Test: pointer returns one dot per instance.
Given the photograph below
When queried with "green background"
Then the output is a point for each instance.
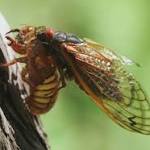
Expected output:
(76, 123)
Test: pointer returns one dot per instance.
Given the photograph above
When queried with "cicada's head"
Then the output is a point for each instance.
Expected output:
(21, 39)
(23, 35)
(26, 34)
(44, 34)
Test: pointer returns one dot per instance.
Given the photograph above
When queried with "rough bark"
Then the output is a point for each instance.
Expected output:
(19, 129)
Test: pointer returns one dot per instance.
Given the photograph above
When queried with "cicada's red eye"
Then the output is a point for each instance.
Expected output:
(49, 33)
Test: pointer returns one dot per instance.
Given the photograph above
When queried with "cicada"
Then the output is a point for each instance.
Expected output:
(52, 58)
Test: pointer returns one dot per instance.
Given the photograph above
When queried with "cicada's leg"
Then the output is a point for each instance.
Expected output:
(17, 47)
(24, 74)
(63, 83)
(14, 61)
(62, 79)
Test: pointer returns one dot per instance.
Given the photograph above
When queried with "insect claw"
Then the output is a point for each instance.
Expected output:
(10, 40)
(17, 47)
(8, 64)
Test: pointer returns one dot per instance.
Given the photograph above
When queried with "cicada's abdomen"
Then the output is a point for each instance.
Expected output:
(43, 96)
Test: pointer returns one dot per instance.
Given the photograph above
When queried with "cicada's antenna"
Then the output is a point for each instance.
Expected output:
(13, 30)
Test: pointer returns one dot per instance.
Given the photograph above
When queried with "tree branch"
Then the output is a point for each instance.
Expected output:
(19, 129)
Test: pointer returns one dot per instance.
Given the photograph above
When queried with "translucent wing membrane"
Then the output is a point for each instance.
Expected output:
(109, 84)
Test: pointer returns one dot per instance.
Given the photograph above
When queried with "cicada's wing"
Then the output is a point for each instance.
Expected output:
(102, 75)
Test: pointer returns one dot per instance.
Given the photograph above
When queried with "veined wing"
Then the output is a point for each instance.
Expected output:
(102, 75)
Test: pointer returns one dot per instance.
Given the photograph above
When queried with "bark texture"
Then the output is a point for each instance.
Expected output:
(19, 129)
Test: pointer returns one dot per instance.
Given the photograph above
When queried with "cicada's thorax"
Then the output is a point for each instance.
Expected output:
(43, 78)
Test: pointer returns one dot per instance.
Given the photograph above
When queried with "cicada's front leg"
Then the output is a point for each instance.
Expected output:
(17, 47)
(63, 83)
(24, 75)
(62, 78)
(14, 61)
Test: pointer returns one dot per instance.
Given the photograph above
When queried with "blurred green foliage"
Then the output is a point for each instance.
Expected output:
(75, 122)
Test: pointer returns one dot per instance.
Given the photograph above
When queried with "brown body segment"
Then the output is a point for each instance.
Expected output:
(43, 77)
